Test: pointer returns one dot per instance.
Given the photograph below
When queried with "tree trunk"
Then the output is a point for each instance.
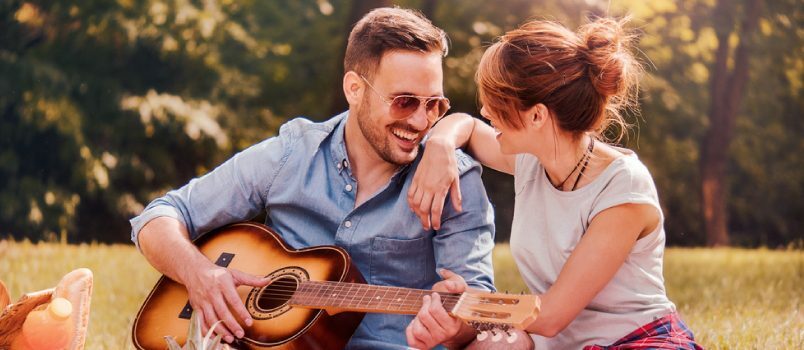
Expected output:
(428, 8)
(726, 93)
(357, 11)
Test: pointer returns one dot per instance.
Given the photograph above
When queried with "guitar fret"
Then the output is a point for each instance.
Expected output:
(346, 295)
(407, 297)
(366, 297)
(318, 294)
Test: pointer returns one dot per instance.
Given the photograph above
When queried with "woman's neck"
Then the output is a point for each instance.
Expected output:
(564, 158)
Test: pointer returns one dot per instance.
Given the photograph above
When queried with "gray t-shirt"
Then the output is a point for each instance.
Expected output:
(549, 223)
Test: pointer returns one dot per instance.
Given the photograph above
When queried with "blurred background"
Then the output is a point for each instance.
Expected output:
(105, 105)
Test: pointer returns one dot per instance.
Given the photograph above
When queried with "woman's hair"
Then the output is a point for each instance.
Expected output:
(585, 79)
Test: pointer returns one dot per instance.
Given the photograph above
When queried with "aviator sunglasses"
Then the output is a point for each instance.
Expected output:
(403, 106)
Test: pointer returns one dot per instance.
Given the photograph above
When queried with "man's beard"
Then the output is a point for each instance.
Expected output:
(377, 138)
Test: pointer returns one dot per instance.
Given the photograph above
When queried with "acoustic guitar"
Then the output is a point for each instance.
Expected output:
(315, 300)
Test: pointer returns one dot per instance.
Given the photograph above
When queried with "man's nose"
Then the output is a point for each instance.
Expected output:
(419, 119)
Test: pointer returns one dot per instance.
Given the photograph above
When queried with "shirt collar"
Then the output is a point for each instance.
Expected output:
(340, 158)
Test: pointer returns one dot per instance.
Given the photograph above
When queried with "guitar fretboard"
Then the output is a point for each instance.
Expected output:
(365, 298)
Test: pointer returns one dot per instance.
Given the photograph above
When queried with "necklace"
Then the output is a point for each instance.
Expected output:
(584, 159)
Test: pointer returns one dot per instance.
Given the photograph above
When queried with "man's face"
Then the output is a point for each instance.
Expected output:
(399, 73)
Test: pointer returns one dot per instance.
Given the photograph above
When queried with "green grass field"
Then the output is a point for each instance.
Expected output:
(731, 298)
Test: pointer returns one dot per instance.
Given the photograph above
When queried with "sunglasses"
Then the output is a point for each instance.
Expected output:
(404, 106)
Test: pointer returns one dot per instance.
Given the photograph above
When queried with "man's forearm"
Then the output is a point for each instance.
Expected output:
(165, 243)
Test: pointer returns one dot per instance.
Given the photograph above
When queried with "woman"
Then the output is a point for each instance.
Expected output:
(587, 233)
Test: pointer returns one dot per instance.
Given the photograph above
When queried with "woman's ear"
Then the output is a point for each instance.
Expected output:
(352, 88)
(536, 116)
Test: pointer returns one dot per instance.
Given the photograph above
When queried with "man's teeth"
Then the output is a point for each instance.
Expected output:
(407, 135)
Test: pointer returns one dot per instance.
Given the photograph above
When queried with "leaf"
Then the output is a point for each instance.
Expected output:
(172, 344)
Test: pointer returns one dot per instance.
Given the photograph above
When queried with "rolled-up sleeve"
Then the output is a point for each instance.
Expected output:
(465, 241)
(234, 191)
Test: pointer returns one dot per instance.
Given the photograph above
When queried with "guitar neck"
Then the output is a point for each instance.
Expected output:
(342, 296)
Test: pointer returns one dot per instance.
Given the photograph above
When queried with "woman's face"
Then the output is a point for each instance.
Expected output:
(511, 140)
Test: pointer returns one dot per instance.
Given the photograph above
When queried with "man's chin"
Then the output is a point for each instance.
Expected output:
(402, 158)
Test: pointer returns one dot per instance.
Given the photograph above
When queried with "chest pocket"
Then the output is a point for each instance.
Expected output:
(399, 262)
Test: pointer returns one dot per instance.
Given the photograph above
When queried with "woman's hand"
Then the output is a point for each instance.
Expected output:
(436, 175)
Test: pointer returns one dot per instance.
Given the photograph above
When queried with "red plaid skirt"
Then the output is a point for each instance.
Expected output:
(668, 332)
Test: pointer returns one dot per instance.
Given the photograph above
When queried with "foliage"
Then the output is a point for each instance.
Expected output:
(196, 340)
(106, 105)
(730, 298)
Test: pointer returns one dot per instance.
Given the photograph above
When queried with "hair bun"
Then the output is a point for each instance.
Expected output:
(612, 67)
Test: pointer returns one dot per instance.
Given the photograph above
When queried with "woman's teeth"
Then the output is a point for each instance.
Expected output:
(406, 135)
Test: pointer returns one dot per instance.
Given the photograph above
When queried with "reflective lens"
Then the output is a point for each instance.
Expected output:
(405, 105)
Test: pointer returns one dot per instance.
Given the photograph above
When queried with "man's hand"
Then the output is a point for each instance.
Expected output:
(433, 325)
(213, 295)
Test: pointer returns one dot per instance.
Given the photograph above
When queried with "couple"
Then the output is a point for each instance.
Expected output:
(587, 233)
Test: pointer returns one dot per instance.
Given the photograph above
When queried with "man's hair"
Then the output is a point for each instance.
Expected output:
(388, 29)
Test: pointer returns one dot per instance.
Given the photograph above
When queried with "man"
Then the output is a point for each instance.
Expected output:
(339, 182)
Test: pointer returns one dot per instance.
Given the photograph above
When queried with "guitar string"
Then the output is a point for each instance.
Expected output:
(292, 288)
(286, 294)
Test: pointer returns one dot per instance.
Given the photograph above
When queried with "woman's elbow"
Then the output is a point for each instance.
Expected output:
(547, 326)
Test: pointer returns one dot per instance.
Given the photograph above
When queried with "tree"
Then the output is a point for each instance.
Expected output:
(726, 96)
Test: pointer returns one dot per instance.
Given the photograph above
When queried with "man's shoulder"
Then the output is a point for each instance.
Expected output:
(466, 163)
(301, 127)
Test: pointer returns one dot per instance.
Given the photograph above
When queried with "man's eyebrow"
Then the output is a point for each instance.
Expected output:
(406, 93)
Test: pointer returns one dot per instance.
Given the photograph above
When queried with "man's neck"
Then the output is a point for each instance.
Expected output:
(368, 168)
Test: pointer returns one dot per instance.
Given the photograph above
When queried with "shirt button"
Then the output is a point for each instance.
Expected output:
(338, 166)
(348, 224)
(348, 188)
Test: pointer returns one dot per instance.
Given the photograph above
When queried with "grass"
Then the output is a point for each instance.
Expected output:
(731, 298)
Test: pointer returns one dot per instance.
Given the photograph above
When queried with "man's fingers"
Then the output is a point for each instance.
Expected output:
(229, 325)
(241, 278)
(427, 320)
(440, 315)
(420, 334)
(413, 341)
(211, 318)
(233, 299)
(409, 335)
(450, 276)
(453, 281)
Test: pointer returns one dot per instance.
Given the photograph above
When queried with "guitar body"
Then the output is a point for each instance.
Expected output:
(255, 249)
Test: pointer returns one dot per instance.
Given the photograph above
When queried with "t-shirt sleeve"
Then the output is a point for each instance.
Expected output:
(630, 184)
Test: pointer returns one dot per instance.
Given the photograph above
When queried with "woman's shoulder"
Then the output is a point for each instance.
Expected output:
(628, 173)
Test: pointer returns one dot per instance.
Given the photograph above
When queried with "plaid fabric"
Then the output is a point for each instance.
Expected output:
(668, 332)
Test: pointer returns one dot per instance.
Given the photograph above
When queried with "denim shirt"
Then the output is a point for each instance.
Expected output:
(303, 179)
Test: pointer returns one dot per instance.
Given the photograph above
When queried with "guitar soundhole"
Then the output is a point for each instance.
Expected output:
(272, 300)
(277, 293)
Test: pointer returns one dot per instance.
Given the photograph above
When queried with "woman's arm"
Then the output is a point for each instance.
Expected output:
(461, 130)
(437, 172)
(598, 256)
